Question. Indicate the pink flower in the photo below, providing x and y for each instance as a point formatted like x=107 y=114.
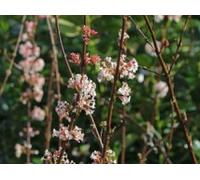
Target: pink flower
x=38 y=113
x=31 y=65
x=85 y=98
x=30 y=27
x=75 y=58
x=28 y=49
x=65 y=134
x=37 y=94
x=87 y=33
x=62 y=109
x=36 y=80
x=93 y=59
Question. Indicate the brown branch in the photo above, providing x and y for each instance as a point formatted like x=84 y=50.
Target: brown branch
x=84 y=49
x=9 y=71
x=95 y=130
x=172 y=93
x=50 y=97
x=62 y=46
x=113 y=91
x=176 y=55
x=141 y=32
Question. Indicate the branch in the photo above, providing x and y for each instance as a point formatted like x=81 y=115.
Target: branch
x=62 y=46
x=176 y=56
x=172 y=93
x=113 y=91
x=9 y=71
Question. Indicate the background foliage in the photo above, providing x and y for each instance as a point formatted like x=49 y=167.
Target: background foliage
x=13 y=114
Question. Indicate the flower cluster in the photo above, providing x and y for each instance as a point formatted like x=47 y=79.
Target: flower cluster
x=124 y=93
x=87 y=33
x=175 y=18
x=96 y=156
x=161 y=89
x=54 y=158
x=85 y=96
x=126 y=69
x=126 y=36
x=26 y=146
x=31 y=65
x=89 y=59
x=38 y=114
x=62 y=110
x=65 y=134
x=23 y=149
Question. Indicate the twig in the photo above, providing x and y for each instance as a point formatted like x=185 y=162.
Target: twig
x=176 y=56
x=172 y=94
x=71 y=75
x=140 y=31
x=113 y=91
x=84 y=49
x=50 y=97
x=9 y=71
x=62 y=46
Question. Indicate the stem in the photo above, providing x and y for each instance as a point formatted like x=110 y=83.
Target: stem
x=9 y=71
x=62 y=46
x=113 y=91
x=96 y=132
x=84 y=49
x=175 y=57
x=188 y=138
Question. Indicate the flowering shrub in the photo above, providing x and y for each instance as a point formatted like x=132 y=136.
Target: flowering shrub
x=100 y=89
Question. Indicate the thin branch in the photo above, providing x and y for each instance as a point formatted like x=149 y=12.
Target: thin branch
x=62 y=46
x=140 y=31
x=176 y=56
x=84 y=49
x=113 y=91
x=96 y=132
x=9 y=71
x=172 y=94
x=50 y=97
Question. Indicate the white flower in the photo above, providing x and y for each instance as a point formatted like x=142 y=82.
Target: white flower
x=107 y=70
x=140 y=77
x=128 y=69
x=124 y=93
x=150 y=48
x=65 y=134
x=38 y=113
x=161 y=88
x=126 y=36
x=86 y=92
x=96 y=157
x=62 y=109
x=19 y=150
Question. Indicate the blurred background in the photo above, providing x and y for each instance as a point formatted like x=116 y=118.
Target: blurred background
x=146 y=105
